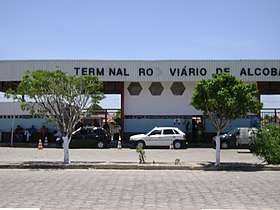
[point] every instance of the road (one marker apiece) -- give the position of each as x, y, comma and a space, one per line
129, 189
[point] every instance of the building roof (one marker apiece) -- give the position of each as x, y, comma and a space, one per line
147, 70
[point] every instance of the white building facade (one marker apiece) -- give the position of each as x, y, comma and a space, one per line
153, 92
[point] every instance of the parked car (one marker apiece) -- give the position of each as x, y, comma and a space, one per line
237, 138
90, 137
160, 136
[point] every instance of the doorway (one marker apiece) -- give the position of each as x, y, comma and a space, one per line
197, 129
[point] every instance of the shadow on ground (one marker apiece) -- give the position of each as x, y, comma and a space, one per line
206, 166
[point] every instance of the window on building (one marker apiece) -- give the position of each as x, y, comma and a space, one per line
156, 88
134, 88
177, 88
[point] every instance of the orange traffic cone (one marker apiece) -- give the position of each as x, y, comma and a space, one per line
40, 145
46, 142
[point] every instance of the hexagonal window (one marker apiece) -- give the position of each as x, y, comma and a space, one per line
177, 88
134, 88
156, 88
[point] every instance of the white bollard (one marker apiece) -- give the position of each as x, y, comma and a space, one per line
119, 144
46, 142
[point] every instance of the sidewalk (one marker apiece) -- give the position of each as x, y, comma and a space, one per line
157, 159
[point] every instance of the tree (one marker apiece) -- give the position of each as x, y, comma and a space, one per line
117, 117
223, 99
61, 99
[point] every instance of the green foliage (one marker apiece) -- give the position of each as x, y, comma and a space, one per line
224, 98
59, 98
177, 161
117, 118
267, 144
141, 153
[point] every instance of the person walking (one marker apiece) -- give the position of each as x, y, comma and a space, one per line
44, 132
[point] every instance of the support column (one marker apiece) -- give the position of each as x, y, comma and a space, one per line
122, 112
259, 90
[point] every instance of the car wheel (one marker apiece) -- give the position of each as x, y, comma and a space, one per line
177, 144
100, 144
140, 144
224, 145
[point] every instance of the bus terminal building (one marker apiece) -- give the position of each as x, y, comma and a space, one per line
153, 92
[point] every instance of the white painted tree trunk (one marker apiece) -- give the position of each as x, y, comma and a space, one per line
218, 150
66, 149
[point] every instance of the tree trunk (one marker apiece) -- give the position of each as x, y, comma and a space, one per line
218, 148
66, 149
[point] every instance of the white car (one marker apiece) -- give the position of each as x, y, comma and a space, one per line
160, 136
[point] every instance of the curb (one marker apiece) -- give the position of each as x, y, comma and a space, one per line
135, 166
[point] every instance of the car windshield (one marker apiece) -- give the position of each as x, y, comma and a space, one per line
233, 131
155, 132
86, 131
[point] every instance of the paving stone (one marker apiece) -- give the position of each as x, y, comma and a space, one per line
129, 189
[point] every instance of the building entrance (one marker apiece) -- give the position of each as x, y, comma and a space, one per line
153, 92
196, 129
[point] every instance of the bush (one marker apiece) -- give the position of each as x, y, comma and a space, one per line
267, 144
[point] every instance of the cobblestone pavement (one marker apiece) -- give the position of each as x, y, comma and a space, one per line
129, 189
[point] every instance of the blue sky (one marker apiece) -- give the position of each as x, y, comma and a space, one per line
140, 29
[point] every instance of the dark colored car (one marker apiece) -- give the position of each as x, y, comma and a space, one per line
237, 138
90, 137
